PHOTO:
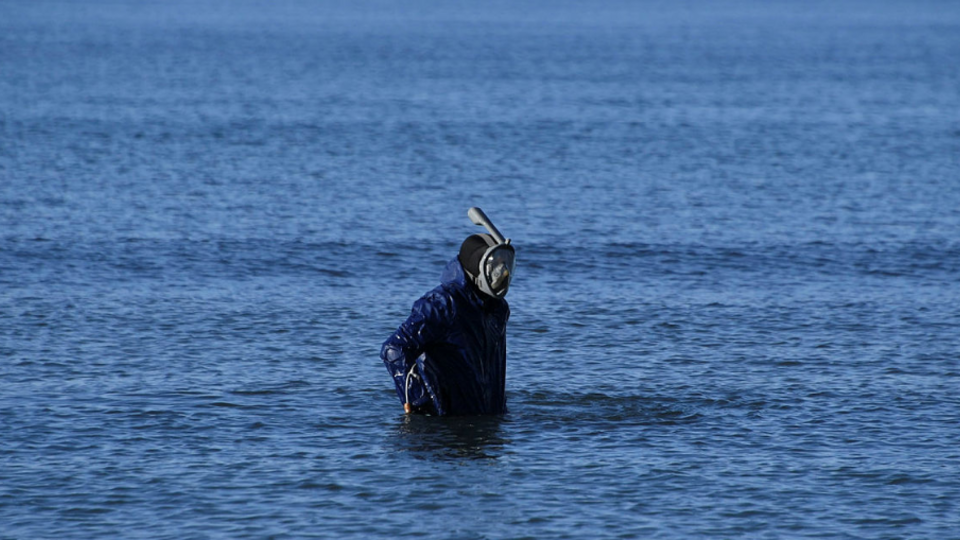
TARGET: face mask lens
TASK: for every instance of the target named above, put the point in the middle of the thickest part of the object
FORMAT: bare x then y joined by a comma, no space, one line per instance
499,269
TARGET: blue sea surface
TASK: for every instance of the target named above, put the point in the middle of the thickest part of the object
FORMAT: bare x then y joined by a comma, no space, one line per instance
736,312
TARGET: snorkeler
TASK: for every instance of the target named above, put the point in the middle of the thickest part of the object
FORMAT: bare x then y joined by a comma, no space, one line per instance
449,357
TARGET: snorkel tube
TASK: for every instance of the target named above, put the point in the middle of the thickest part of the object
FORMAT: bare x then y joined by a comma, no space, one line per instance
477,216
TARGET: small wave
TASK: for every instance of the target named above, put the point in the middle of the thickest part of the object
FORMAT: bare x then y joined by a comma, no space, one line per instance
285,388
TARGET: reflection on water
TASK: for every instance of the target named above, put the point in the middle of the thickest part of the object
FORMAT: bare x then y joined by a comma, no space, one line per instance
465,437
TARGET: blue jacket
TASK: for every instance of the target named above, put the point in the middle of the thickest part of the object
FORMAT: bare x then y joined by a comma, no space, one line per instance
450,356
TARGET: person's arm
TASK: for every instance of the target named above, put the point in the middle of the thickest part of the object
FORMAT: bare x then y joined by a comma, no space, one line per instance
428,321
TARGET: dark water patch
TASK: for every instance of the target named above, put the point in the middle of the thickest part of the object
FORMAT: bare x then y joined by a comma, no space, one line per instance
450,438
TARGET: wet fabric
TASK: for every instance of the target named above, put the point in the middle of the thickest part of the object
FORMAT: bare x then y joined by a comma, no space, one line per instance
449,356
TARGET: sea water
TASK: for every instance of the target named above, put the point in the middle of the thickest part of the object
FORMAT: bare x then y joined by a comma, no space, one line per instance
736,312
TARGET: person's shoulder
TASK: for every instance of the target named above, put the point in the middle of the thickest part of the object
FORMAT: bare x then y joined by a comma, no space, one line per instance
438,303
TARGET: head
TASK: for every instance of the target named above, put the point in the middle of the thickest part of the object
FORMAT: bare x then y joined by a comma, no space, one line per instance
488,264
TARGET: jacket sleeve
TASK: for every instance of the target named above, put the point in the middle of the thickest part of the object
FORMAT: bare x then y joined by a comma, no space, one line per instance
428,321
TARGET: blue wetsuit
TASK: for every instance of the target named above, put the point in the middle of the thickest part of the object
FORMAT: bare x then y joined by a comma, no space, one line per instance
450,356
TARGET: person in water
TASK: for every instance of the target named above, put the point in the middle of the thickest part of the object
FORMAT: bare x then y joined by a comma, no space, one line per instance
450,356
